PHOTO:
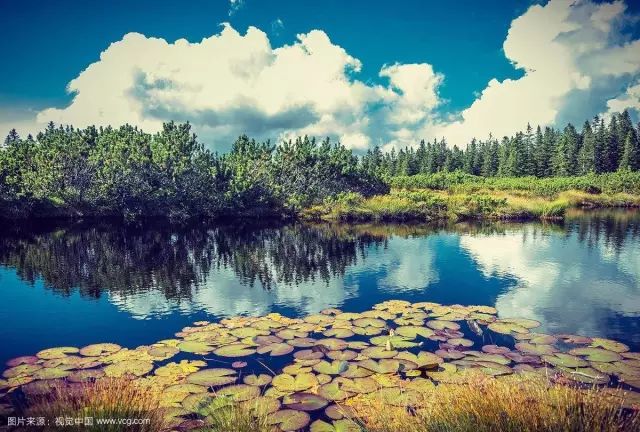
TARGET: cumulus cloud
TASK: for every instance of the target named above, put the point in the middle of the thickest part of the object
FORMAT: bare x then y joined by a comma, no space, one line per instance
569,51
576,57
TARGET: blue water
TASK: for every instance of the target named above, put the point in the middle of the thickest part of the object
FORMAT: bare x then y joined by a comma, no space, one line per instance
77,284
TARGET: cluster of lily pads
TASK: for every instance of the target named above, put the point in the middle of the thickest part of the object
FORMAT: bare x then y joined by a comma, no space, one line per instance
302,372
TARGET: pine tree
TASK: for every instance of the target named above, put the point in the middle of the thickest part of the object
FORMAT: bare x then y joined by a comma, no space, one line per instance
586,155
630,159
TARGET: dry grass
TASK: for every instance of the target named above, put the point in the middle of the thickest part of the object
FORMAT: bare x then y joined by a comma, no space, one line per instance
511,404
238,417
104,399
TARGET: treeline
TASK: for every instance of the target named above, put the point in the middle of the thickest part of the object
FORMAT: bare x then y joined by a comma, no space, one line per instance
598,148
126,172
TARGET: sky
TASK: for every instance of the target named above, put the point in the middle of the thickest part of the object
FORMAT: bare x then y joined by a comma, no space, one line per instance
365,73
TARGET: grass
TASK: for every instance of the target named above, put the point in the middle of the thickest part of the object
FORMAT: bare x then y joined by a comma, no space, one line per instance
104,399
512,404
458,197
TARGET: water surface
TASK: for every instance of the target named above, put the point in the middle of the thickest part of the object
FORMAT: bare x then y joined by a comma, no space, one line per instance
80,283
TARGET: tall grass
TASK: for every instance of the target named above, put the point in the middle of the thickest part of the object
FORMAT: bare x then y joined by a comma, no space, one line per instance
137,406
511,404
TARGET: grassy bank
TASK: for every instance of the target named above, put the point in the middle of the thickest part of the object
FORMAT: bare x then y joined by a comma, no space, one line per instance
458,196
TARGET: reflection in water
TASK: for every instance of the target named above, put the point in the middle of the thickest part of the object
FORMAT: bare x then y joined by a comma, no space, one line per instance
582,276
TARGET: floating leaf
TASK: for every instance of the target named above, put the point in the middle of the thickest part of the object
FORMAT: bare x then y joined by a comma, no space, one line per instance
379,352
54,353
195,347
462,342
195,402
239,392
22,360
344,425
442,325
85,375
345,355
530,348
383,366
423,359
305,402
239,364
289,420
332,344
96,350
212,377
289,383
21,370
235,350
262,406
276,349
411,332
338,333
369,322
50,373
609,345
333,392
357,385
495,349
394,341
257,380
596,354
507,327
566,360
336,367
355,371
128,367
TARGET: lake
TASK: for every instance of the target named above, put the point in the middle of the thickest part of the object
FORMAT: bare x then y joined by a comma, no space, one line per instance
81,283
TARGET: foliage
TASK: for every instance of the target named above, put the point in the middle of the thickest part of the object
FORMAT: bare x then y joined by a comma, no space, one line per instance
125,172
598,148
518,403
102,399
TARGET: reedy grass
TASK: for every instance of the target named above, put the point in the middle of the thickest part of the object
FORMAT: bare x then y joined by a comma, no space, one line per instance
106,398
517,403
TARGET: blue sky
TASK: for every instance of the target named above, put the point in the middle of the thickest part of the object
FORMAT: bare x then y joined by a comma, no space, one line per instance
375,72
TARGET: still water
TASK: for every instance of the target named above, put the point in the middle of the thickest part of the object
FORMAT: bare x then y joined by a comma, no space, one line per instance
81,283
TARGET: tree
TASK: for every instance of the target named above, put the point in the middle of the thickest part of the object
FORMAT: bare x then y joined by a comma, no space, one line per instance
630,160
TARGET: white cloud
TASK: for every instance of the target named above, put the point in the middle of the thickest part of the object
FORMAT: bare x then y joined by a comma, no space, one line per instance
566,48
630,99
575,57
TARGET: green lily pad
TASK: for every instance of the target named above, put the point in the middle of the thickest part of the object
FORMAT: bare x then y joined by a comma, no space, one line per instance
393,342
289,420
442,325
302,342
287,334
50,373
195,347
609,345
239,392
235,350
344,425
332,344
507,327
460,342
54,353
22,360
180,370
358,385
85,375
276,349
333,392
423,359
257,380
336,367
197,401
262,406
289,383
585,375
369,322
566,360
379,352
21,370
345,355
128,367
305,402
212,377
96,350
384,366
308,354
355,371
411,332
596,354
530,348
338,333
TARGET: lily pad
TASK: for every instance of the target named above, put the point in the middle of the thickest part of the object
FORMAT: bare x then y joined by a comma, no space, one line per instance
276,349
289,420
566,360
530,348
239,392
128,367
344,425
258,380
393,342
212,377
596,354
423,359
54,353
507,327
85,375
235,350
289,383
333,392
345,355
443,324
50,373
96,350
336,367
196,347
609,345
305,402
379,352
22,360
411,332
